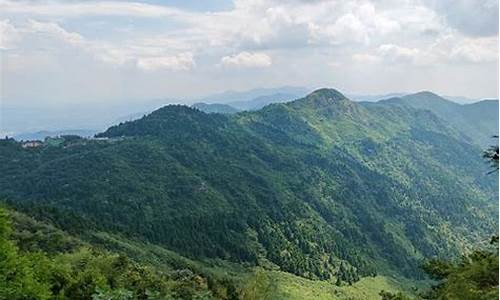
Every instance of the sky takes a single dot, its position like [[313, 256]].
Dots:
[[55, 53]]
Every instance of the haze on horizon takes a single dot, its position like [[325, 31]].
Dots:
[[59, 53]]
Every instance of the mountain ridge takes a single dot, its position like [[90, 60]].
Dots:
[[321, 187], [474, 119]]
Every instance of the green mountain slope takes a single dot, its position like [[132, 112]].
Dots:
[[39, 261], [478, 121], [52, 264], [322, 187]]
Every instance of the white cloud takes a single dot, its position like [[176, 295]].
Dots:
[[9, 35], [253, 23], [247, 60], [347, 28], [55, 31], [476, 50], [451, 48], [145, 54], [472, 17], [376, 21], [308, 34], [398, 53], [183, 61]]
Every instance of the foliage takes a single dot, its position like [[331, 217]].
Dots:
[[86, 273], [492, 155], [22, 276], [475, 276], [390, 296], [477, 121]]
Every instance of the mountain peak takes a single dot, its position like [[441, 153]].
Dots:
[[328, 103], [332, 94], [425, 94], [322, 98], [169, 121]]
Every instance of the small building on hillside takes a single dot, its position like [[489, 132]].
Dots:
[[31, 144]]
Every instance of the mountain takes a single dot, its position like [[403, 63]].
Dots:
[[460, 99], [215, 108], [245, 96], [252, 104], [261, 101], [373, 98], [479, 121], [321, 187]]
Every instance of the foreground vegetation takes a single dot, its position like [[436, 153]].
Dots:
[[44, 263], [41, 262]]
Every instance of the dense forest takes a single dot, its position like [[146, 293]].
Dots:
[[322, 188]]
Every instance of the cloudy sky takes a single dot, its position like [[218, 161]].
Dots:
[[71, 51]]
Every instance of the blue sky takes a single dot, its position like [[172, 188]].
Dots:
[[62, 52]]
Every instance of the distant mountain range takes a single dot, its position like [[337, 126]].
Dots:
[[232, 102], [21, 121], [247, 105], [479, 121], [41, 135], [249, 95], [374, 98]]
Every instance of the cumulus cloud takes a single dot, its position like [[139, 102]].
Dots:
[[256, 24], [472, 17], [448, 49], [347, 28], [306, 34], [145, 54], [247, 60]]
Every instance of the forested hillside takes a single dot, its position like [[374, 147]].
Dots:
[[321, 187], [38, 261], [478, 121]]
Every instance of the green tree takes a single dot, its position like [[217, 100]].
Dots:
[[492, 155], [21, 276]]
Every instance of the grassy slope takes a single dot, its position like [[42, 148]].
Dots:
[[296, 288], [286, 285]]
